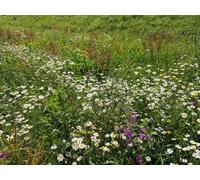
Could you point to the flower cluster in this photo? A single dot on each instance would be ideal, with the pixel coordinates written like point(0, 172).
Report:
point(154, 118)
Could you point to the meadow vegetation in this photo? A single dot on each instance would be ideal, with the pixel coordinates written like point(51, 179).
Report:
point(99, 90)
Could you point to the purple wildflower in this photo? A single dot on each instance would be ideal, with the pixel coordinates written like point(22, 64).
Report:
point(129, 158)
point(194, 103)
point(128, 133)
point(3, 155)
point(134, 118)
point(143, 130)
point(143, 137)
point(139, 159)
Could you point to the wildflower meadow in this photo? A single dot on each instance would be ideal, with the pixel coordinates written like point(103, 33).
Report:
point(100, 90)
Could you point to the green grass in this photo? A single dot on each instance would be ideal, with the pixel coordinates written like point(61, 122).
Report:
point(166, 37)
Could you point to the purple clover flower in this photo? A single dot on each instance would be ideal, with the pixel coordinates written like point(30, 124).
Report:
point(3, 155)
point(128, 133)
point(129, 158)
point(134, 118)
point(143, 130)
point(139, 159)
point(143, 137)
point(194, 103)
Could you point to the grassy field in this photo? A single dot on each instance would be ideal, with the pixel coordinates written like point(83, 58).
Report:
point(100, 90)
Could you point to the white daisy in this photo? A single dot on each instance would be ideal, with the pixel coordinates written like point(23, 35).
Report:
point(148, 158)
point(60, 157)
point(184, 115)
point(169, 151)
